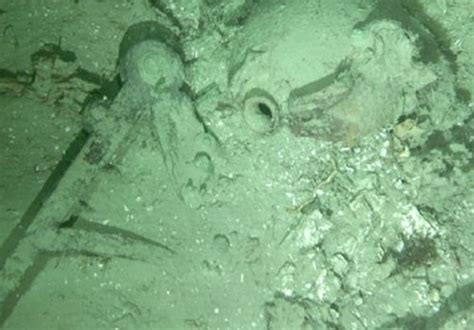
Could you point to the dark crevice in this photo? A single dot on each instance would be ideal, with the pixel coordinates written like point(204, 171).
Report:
point(69, 223)
point(265, 110)
point(53, 51)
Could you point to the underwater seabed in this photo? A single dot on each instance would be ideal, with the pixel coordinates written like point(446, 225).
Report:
point(212, 164)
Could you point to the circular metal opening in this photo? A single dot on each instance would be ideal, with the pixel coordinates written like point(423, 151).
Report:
point(260, 111)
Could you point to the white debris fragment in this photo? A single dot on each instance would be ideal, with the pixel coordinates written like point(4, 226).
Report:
point(413, 223)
